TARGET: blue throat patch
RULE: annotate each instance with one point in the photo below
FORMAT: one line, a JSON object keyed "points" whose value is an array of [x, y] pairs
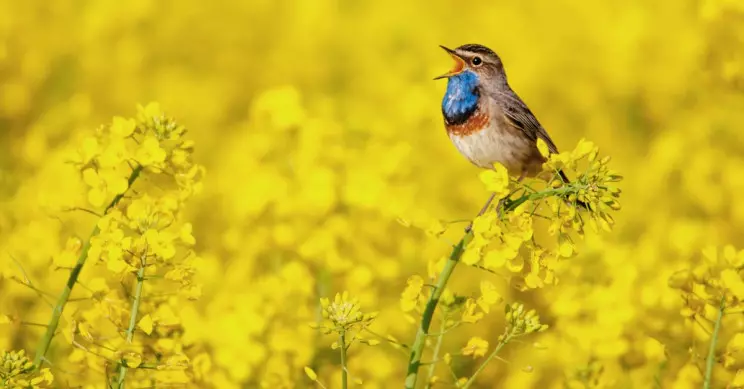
{"points": [[461, 98]]}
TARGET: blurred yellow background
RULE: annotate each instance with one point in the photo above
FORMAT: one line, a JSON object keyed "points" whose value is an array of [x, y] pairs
{"points": [[319, 125]]}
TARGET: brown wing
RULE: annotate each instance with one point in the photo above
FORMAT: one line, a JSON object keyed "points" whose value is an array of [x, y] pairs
{"points": [[519, 115]]}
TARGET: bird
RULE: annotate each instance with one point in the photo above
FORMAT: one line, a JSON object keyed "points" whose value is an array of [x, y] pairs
{"points": [[486, 120]]}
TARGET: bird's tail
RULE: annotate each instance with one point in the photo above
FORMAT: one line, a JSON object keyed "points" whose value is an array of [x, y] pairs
{"points": [[578, 202]]}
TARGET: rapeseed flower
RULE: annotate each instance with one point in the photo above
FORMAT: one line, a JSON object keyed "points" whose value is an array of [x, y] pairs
{"points": [[17, 372], [310, 167]]}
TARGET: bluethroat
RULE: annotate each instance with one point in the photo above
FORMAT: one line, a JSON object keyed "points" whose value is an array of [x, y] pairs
{"points": [[486, 120]]}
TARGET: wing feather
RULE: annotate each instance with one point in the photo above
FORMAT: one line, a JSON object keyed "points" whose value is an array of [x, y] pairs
{"points": [[519, 115]]}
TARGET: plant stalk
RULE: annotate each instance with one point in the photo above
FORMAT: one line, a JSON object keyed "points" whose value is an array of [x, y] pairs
{"points": [[132, 320], [417, 349], [342, 346], [711, 359], [434, 357], [46, 340]]}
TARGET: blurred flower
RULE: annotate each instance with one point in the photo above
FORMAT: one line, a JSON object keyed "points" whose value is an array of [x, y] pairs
{"points": [[476, 347]]}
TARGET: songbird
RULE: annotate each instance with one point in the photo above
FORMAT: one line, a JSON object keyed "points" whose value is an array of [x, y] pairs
{"points": [[486, 120]]}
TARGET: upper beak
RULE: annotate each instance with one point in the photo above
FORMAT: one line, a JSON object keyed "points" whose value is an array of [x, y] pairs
{"points": [[459, 64]]}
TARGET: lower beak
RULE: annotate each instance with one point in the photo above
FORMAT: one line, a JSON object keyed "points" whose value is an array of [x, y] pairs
{"points": [[459, 64]]}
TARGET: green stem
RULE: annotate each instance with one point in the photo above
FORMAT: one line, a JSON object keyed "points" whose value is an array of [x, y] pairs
{"points": [[511, 205], [132, 320], [437, 347], [342, 346], [46, 340], [490, 357], [711, 360], [417, 349]]}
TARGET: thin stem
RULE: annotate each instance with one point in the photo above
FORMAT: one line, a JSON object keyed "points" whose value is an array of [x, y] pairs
{"points": [[434, 357], [395, 344], [711, 360], [31, 324], [342, 347], [417, 349], [446, 331], [46, 296], [511, 205], [133, 319], [46, 340], [498, 348], [320, 384]]}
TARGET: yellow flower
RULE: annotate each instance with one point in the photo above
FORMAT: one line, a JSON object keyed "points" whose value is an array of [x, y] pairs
{"points": [[476, 347], [471, 256], [485, 224], [532, 280], [88, 150], [733, 282], [132, 359], [583, 149], [565, 247], [122, 128], [104, 184], [344, 312], [542, 147], [435, 228], [733, 258], [159, 243], [489, 296], [115, 153], [496, 258], [146, 324], [17, 371], [111, 244], [149, 153], [68, 256], [496, 180], [409, 299], [469, 314], [186, 234]]}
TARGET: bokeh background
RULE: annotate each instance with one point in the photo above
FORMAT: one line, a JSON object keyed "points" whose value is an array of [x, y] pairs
{"points": [[319, 125]]}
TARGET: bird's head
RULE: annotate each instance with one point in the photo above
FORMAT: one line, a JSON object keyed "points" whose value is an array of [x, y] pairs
{"points": [[476, 59], [478, 71]]}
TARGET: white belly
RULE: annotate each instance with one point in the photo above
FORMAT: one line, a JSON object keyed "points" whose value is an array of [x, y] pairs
{"points": [[490, 145]]}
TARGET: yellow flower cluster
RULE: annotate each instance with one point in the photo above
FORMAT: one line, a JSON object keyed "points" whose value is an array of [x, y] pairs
{"points": [[145, 247], [343, 314], [522, 322], [503, 238], [713, 295], [330, 171], [17, 372], [136, 268]]}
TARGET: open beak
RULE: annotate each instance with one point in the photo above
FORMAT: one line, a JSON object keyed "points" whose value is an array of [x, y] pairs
{"points": [[459, 64]]}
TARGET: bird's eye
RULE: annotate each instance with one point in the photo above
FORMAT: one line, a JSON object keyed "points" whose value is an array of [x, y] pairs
{"points": [[477, 61]]}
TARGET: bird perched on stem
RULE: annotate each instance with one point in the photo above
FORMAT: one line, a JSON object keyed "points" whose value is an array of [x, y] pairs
{"points": [[486, 120]]}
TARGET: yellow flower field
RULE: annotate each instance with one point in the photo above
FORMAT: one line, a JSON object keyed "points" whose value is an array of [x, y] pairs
{"points": [[261, 194]]}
